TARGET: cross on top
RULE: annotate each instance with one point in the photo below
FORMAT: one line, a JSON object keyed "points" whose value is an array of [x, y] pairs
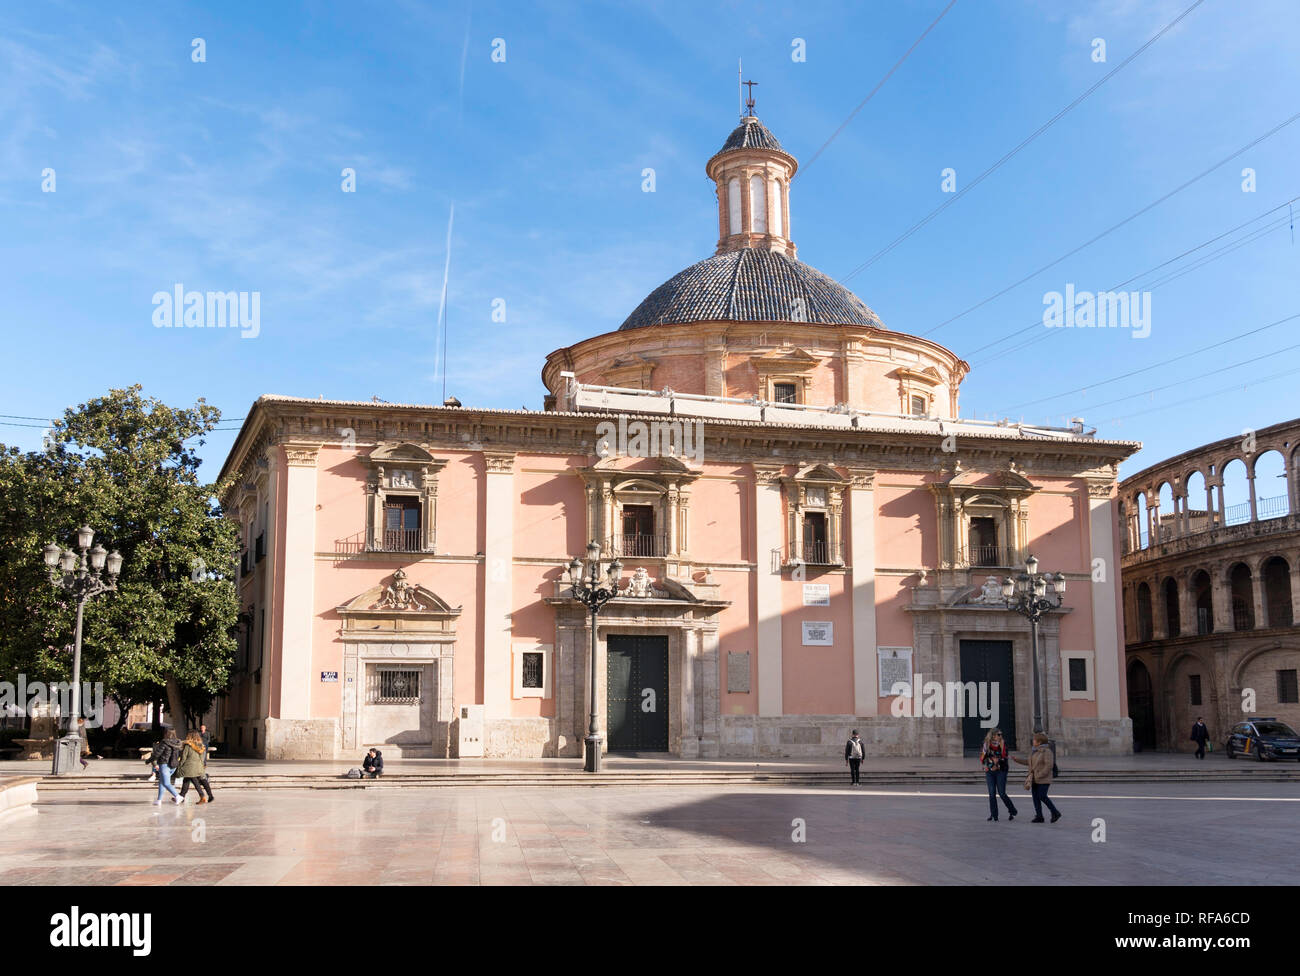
{"points": [[749, 101]]}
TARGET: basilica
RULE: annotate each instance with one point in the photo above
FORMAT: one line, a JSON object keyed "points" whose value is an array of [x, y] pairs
{"points": [[808, 530]]}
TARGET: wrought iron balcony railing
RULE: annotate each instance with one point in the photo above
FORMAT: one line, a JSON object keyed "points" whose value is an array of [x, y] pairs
{"points": [[808, 554], [400, 540], [991, 556], [647, 546]]}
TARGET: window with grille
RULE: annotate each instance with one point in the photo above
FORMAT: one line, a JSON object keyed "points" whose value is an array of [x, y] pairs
{"points": [[784, 393], [1196, 689], [1287, 691], [1078, 674], [532, 670], [394, 687]]}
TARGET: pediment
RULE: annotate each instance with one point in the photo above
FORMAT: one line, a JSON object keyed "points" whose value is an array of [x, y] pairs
{"points": [[398, 597], [663, 465], [786, 360], [819, 472], [928, 375], [401, 453]]}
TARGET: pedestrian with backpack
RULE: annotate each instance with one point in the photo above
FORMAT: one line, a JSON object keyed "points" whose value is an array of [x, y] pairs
{"points": [[855, 751]]}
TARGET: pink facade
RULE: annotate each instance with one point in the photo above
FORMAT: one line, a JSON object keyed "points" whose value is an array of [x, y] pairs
{"points": [[800, 515]]}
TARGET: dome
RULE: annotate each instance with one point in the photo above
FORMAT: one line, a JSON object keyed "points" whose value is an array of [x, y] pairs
{"points": [[751, 285], [750, 134]]}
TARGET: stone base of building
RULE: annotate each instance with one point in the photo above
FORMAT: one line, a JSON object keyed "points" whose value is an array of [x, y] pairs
{"points": [[1095, 737], [520, 738], [300, 738], [823, 736]]}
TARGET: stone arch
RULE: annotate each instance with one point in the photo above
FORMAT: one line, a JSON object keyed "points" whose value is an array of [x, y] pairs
{"points": [[1166, 512], [1234, 490], [1269, 474], [1189, 692], [1198, 504], [1140, 509]]}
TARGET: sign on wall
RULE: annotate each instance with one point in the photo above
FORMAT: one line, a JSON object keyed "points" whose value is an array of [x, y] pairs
{"points": [[816, 594], [329, 676], [895, 669], [818, 633], [738, 672]]}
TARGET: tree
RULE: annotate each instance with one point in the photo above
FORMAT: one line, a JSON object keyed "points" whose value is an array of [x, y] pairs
{"points": [[121, 464]]}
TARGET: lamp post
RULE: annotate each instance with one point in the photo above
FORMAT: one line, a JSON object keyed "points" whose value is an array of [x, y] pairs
{"points": [[1027, 594], [594, 588], [83, 574]]}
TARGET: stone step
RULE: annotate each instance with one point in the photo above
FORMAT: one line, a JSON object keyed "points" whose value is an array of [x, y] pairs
{"points": [[671, 778]]}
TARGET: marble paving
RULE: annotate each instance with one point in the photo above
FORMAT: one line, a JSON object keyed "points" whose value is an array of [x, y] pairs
{"points": [[1208, 834]]}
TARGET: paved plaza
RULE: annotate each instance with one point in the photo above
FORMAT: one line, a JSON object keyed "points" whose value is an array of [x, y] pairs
{"points": [[1179, 833]]}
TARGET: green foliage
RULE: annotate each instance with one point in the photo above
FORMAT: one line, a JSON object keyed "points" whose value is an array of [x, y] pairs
{"points": [[121, 464]]}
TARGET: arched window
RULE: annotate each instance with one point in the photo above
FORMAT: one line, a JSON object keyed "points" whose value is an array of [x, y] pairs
{"points": [[1170, 588], [1144, 521], [1277, 592], [733, 205], [757, 205], [1243, 598], [1144, 612], [1201, 593], [776, 208]]}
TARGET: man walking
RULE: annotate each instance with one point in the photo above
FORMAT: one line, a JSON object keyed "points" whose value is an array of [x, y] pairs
{"points": [[854, 751], [1200, 735]]}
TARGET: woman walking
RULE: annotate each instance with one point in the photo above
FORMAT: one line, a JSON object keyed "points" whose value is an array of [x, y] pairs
{"points": [[191, 766], [166, 755], [993, 757], [1039, 779]]}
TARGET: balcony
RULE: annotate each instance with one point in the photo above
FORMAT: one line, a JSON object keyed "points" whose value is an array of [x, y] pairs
{"points": [[810, 553], [636, 546], [989, 556], [399, 540]]}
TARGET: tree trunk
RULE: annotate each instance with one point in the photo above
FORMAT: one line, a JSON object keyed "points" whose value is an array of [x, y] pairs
{"points": [[175, 709]]}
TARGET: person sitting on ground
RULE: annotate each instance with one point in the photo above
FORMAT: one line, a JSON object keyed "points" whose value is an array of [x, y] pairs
{"points": [[373, 763]]}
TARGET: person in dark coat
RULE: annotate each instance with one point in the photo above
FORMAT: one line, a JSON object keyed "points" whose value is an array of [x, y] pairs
{"points": [[993, 757], [166, 757], [1200, 735], [373, 763], [855, 750]]}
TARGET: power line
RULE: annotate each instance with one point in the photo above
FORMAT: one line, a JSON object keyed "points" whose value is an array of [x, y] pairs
{"points": [[1030, 138], [1199, 263], [879, 85], [1165, 362], [1114, 227], [1201, 397]]}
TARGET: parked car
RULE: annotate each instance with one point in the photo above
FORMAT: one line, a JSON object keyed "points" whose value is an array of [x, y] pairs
{"points": [[1263, 738]]}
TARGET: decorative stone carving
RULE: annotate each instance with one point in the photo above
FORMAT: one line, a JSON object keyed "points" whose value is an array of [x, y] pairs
{"points": [[301, 456], [399, 595], [990, 594], [499, 463], [640, 586]]}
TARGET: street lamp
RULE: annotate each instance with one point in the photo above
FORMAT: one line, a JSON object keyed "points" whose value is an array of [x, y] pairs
{"points": [[1027, 594], [83, 576], [594, 587]]}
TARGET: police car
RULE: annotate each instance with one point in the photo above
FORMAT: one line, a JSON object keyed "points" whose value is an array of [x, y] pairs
{"points": [[1263, 738]]}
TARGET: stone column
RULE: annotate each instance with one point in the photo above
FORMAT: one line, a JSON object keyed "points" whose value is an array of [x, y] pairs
{"points": [[1108, 641], [1257, 593], [1294, 560], [862, 559], [768, 524], [297, 514], [1221, 601], [1250, 482], [1188, 624], [498, 573]]}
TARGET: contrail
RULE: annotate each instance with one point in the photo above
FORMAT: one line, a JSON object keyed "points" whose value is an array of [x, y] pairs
{"points": [[442, 308]]}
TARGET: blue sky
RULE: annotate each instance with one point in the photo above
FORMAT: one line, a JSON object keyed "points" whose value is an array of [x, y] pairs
{"points": [[226, 175]]}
